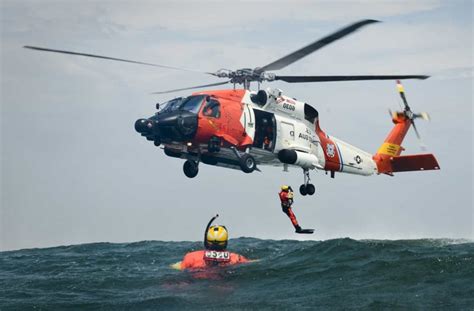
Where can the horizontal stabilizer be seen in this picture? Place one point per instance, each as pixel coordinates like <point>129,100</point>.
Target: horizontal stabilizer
<point>418,162</point>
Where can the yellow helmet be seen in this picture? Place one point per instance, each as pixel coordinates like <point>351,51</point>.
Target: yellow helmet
<point>216,237</point>
<point>284,188</point>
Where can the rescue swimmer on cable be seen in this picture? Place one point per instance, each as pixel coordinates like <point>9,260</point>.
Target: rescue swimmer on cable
<point>286,199</point>
<point>245,130</point>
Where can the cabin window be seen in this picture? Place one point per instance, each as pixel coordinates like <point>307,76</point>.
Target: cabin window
<point>212,109</point>
<point>310,113</point>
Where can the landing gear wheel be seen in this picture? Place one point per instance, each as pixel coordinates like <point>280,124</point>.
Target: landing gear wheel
<point>307,188</point>
<point>157,142</point>
<point>190,168</point>
<point>303,190</point>
<point>310,189</point>
<point>247,163</point>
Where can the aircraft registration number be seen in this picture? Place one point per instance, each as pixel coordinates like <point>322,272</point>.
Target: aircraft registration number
<point>289,107</point>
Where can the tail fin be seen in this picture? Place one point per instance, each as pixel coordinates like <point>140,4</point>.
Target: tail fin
<point>388,157</point>
<point>392,144</point>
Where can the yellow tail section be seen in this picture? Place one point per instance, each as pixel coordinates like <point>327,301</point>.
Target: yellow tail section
<point>388,157</point>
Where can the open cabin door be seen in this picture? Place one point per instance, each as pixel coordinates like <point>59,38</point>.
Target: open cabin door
<point>265,130</point>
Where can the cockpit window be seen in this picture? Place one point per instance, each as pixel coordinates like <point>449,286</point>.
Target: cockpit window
<point>192,103</point>
<point>212,108</point>
<point>172,105</point>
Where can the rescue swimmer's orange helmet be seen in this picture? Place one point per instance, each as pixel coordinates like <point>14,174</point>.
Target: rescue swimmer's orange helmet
<point>284,188</point>
<point>217,237</point>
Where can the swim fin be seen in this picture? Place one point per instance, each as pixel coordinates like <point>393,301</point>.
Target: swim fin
<point>304,231</point>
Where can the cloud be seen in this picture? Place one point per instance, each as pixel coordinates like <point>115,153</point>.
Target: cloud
<point>455,73</point>
<point>209,16</point>
<point>212,15</point>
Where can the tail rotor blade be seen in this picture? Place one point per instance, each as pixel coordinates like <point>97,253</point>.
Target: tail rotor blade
<point>402,94</point>
<point>390,113</point>
<point>423,115</point>
<point>422,145</point>
<point>416,130</point>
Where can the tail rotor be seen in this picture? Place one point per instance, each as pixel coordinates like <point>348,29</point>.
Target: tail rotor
<point>410,115</point>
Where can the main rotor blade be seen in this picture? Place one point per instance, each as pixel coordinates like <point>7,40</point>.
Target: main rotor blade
<point>297,55</point>
<point>111,58</point>
<point>299,79</point>
<point>192,87</point>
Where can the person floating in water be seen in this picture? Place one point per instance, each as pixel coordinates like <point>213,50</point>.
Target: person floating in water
<point>286,198</point>
<point>215,252</point>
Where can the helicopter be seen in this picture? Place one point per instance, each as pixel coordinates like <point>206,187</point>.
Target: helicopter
<point>242,129</point>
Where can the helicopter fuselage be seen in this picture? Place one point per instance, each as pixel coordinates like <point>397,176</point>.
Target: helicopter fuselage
<point>215,127</point>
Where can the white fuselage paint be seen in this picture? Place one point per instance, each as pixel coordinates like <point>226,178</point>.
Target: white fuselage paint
<point>294,132</point>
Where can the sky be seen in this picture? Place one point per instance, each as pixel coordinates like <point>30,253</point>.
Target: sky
<point>75,171</point>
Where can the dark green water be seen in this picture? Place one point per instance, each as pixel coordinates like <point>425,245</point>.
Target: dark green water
<point>334,274</point>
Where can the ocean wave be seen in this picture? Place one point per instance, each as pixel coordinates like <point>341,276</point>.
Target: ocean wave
<point>331,274</point>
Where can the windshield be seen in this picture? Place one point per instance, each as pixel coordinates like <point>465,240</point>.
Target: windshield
<point>172,105</point>
<point>192,103</point>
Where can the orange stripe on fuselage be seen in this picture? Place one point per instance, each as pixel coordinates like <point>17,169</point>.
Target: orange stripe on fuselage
<point>228,125</point>
<point>331,152</point>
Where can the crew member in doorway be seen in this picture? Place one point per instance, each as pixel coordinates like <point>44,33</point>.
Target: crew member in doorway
<point>266,143</point>
<point>215,252</point>
<point>286,198</point>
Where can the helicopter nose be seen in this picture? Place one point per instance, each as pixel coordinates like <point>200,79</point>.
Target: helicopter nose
<point>143,126</point>
<point>178,126</point>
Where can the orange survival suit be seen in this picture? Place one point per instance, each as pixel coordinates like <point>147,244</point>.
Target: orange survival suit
<point>215,254</point>
<point>286,198</point>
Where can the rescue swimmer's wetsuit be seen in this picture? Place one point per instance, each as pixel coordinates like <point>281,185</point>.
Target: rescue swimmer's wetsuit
<point>286,198</point>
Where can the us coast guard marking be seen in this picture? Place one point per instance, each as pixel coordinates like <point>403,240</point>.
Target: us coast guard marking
<point>330,150</point>
<point>306,136</point>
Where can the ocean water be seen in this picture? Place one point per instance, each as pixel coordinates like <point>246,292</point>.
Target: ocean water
<point>324,275</point>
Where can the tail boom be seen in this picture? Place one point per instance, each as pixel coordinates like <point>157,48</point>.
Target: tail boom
<point>388,159</point>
